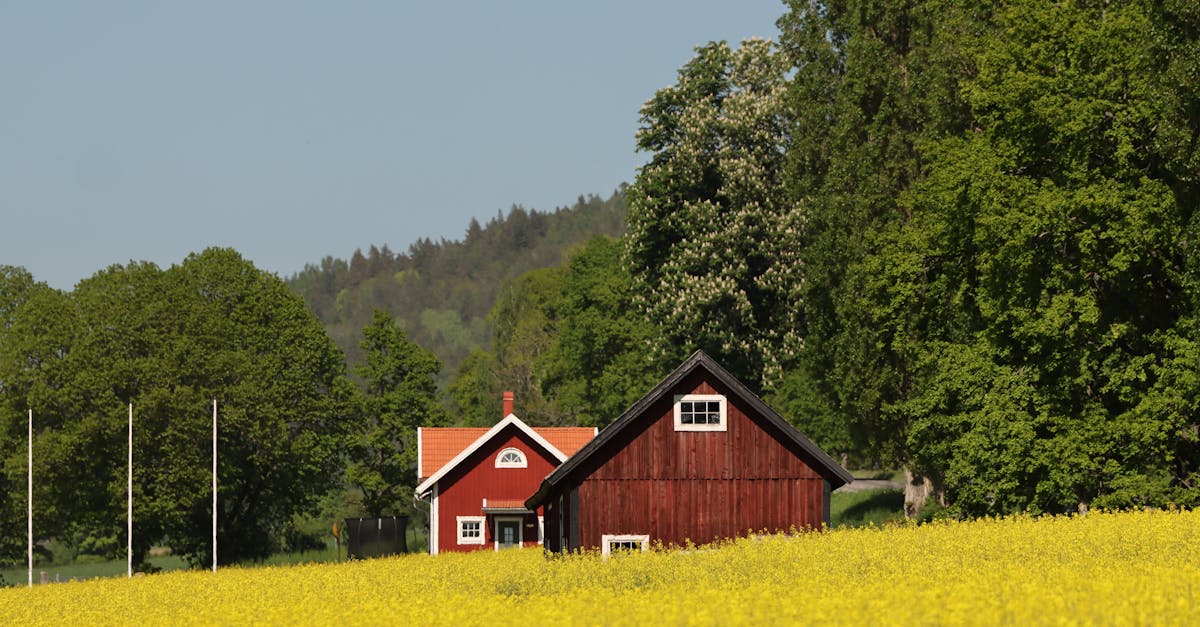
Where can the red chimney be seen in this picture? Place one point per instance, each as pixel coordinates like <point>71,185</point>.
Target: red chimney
<point>508,404</point>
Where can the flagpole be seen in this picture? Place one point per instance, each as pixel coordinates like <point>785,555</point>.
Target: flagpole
<point>29,474</point>
<point>214,488</point>
<point>129,503</point>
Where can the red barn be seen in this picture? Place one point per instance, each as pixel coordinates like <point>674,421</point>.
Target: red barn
<point>698,459</point>
<point>477,479</point>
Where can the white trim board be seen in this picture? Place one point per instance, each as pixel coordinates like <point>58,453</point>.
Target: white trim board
<point>433,523</point>
<point>723,404</point>
<point>481,520</point>
<point>510,420</point>
<point>520,462</point>
<point>496,520</point>
<point>607,539</point>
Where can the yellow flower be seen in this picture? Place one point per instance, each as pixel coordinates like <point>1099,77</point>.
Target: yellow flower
<point>1102,568</point>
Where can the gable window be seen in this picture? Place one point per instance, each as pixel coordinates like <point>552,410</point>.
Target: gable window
<point>470,529</point>
<point>610,544</point>
<point>511,458</point>
<point>700,412</point>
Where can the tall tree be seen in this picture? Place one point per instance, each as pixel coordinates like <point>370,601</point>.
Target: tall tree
<point>525,319</point>
<point>597,366</point>
<point>998,288</point>
<point>1062,226</point>
<point>18,291</point>
<point>712,243</point>
<point>168,342</point>
<point>400,380</point>
<point>873,82</point>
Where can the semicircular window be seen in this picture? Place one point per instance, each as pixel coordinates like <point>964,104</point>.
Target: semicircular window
<point>511,458</point>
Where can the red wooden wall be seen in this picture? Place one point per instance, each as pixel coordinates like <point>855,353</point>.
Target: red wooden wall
<point>461,492</point>
<point>678,486</point>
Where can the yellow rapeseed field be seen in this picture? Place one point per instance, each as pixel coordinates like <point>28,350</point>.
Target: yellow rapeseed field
<point>1102,568</point>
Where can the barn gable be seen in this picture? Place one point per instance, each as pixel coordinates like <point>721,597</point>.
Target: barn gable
<point>700,457</point>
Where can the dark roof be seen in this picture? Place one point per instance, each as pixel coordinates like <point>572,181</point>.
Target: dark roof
<point>825,465</point>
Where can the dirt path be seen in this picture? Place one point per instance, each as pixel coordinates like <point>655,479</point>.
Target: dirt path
<point>858,485</point>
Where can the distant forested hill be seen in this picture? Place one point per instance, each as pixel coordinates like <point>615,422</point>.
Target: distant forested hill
<point>443,291</point>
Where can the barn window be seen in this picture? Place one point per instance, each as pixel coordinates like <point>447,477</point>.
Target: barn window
<point>470,529</point>
<point>700,412</point>
<point>511,458</point>
<point>610,544</point>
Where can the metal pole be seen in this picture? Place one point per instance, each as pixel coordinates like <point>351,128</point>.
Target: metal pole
<point>29,474</point>
<point>214,487</point>
<point>129,503</point>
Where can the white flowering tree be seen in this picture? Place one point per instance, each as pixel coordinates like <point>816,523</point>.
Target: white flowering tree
<point>713,242</point>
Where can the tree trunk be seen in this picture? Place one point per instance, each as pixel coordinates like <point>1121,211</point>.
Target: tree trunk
<point>917,490</point>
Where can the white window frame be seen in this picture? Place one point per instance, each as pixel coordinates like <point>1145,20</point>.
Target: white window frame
<point>723,405</point>
<point>607,540</point>
<point>520,520</point>
<point>522,463</point>
<point>480,520</point>
<point>541,529</point>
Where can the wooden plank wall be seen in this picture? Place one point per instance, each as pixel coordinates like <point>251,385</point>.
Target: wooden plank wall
<point>461,492</point>
<point>678,486</point>
<point>700,511</point>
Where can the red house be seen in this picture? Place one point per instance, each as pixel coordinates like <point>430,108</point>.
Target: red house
<point>477,479</point>
<point>697,459</point>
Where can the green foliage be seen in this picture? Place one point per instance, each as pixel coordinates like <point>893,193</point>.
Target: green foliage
<point>797,399</point>
<point>92,548</point>
<point>168,342</point>
<point>712,242</point>
<point>17,289</point>
<point>525,319</point>
<point>598,367</point>
<point>999,275</point>
<point>873,79</point>
<point>1060,221</point>
<point>475,389</point>
<point>442,291</point>
<point>867,507</point>
<point>568,344</point>
<point>400,396</point>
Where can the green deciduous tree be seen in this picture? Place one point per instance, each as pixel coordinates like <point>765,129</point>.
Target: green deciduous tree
<point>400,380</point>
<point>525,321</point>
<point>873,82</point>
<point>1000,275</point>
<point>598,365</point>
<point>212,327</point>
<point>1058,228</point>
<point>713,239</point>
<point>17,290</point>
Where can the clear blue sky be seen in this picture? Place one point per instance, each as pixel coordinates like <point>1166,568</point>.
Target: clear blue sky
<point>295,130</point>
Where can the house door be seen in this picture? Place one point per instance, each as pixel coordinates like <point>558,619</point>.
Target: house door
<point>508,533</point>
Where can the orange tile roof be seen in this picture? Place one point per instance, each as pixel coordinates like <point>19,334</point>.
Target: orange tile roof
<point>439,445</point>
<point>567,439</point>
